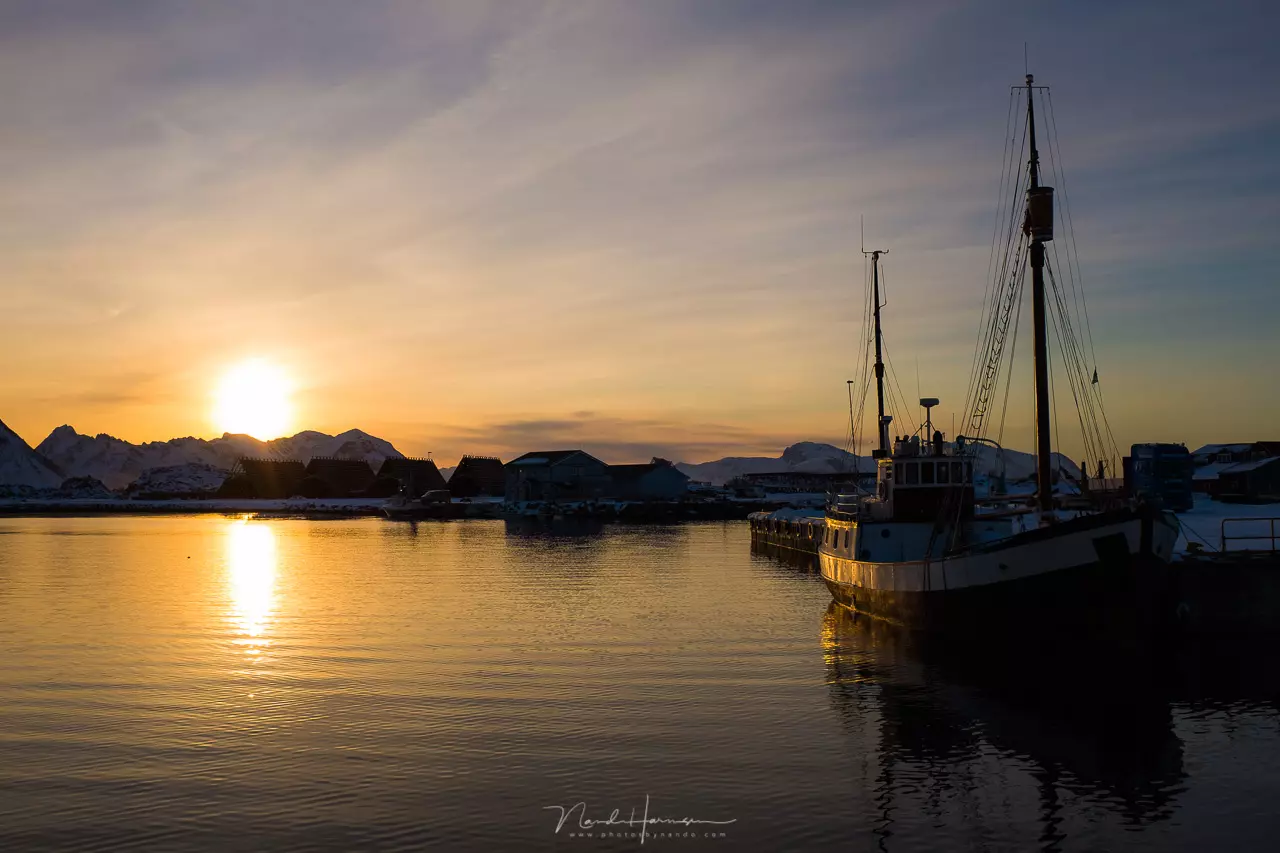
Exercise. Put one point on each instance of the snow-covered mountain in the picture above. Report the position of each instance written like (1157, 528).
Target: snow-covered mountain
(118, 463)
(815, 458)
(22, 466)
(809, 457)
(190, 478)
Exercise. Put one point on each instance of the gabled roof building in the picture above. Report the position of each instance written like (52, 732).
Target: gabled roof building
(478, 476)
(556, 475)
(655, 480)
(417, 476)
(346, 477)
(271, 478)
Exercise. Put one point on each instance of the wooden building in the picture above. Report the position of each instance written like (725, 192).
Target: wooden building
(416, 476)
(270, 478)
(478, 476)
(655, 480)
(556, 475)
(1256, 480)
(1213, 460)
(345, 477)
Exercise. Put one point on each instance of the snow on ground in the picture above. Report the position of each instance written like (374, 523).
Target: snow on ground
(793, 513)
(1203, 524)
(188, 478)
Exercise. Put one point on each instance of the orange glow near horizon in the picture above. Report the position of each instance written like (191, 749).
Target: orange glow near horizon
(253, 398)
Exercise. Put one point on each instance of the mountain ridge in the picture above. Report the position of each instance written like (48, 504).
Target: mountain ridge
(20, 465)
(66, 453)
(812, 457)
(118, 463)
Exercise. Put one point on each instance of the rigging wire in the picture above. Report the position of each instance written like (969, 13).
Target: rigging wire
(1066, 304)
(1008, 158)
(1066, 205)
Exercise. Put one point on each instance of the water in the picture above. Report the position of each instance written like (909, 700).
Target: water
(212, 683)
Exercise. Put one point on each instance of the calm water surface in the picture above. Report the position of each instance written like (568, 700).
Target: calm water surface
(216, 683)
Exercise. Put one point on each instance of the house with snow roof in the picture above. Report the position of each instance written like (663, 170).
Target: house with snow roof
(1213, 460)
(1255, 480)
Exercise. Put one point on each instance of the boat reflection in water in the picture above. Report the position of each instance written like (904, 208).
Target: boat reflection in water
(538, 528)
(956, 725)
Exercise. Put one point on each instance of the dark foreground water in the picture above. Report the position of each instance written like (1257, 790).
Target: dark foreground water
(212, 683)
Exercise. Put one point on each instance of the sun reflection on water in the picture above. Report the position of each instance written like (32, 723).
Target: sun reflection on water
(251, 559)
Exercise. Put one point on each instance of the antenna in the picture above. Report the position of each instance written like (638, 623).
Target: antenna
(928, 403)
(918, 387)
(1026, 66)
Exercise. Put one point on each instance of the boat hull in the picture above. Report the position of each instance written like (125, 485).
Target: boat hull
(1101, 575)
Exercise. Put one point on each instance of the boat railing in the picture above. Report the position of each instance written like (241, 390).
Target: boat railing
(1270, 537)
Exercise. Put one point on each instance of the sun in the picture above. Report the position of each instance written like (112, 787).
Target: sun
(253, 398)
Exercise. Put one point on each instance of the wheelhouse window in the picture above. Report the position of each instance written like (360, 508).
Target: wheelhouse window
(944, 470)
(957, 471)
(911, 476)
(926, 473)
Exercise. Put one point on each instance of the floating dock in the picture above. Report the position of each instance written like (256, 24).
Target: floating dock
(789, 529)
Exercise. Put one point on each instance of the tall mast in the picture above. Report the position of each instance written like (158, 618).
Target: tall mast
(1038, 225)
(882, 426)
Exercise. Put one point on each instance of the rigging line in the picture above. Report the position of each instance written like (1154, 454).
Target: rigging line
(1066, 206)
(1058, 331)
(1006, 156)
(864, 356)
(1012, 246)
(995, 329)
(992, 296)
(1096, 445)
(1013, 351)
(1074, 279)
(993, 363)
(860, 357)
(894, 375)
(1079, 376)
(1183, 524)
(998, 324)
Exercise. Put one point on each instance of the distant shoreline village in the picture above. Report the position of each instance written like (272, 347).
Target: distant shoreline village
(354, 473)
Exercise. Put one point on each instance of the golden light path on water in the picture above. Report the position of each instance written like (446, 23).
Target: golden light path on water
(251, 580)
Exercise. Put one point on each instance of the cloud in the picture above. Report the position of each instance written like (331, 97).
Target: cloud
(466, 212)
(613, 438)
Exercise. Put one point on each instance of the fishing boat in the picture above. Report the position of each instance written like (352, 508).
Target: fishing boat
(403, 506)
(919, 552)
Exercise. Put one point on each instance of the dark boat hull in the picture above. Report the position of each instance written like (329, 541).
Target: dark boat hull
(1093, 598)
(1103, 588)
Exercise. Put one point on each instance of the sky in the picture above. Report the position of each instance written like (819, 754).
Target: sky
(474, 227)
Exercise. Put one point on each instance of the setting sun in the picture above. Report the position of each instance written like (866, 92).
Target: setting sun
(253, 398)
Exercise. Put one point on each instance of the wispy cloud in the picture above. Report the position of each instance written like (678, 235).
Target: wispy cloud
(461, 213)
